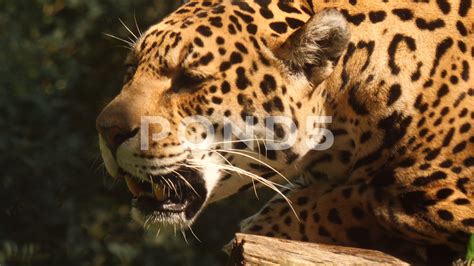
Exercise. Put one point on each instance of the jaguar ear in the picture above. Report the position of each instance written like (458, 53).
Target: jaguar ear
(316, 47)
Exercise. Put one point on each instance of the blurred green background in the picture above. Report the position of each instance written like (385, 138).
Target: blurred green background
(57, 205)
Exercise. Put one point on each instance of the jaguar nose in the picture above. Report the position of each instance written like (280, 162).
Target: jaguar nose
(116, 124)
(115, 136)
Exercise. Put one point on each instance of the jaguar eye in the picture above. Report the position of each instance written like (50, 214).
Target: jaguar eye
(186, 82)
(130, 71)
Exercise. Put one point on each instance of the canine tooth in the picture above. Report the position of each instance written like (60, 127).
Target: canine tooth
(133, 186)
(159, 192)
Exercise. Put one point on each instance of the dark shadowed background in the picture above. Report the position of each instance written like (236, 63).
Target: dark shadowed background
(57, 205)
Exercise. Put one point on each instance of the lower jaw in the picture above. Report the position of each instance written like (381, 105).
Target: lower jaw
(150, 201)
(184, 214)
(168, 212)
(160, 220)
(150, 206)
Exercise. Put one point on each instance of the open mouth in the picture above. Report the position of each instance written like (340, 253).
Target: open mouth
(179, 192)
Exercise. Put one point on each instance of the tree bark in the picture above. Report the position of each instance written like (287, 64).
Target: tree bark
(260, 250)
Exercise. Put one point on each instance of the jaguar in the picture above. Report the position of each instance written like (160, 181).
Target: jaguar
(391, 80)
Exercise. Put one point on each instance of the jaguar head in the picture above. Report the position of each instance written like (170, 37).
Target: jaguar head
(205, 92)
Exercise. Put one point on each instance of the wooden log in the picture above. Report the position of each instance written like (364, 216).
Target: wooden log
(260, 250)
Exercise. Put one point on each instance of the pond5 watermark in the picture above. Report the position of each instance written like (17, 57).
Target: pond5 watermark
(280, 132)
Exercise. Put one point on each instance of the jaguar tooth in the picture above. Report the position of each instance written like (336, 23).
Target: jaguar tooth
(133, 186)
(159, 192)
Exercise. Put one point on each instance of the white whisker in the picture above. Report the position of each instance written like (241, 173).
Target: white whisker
(272, 185)
(128, 29)
(146, 225)
(267, 183)
(192, 232)
(239, 171)
(166, 185)
(235, 141)
(229, 163)
(185, 181)
(140, 33)
(130, 44)
(174, 188)
(257, 160)
(184, 236)
(158, 233)
(126, 47)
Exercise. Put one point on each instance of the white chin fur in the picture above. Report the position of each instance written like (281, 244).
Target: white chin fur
(155, 222)
(110, 164)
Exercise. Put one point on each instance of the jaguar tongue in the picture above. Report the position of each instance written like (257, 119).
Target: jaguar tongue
(159, 192)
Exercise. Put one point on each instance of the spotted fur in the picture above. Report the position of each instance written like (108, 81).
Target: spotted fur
(395, 76)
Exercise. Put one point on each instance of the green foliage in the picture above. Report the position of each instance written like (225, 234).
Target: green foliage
(57, 207)
(470, 249)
